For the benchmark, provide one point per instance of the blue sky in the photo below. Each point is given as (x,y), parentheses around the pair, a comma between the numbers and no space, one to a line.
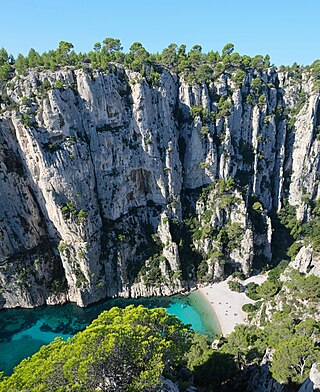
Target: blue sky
(288,30)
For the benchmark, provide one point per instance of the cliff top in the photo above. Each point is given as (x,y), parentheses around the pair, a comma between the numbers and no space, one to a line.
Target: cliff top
(195,65)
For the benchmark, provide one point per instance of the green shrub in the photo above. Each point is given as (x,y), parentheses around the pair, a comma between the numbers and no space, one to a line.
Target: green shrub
(82,215)
(204,131)
(238,78)
(257,206)
(294,249)
(250,308)
(275,273)
(59,84)
(196,111)
(235,285)
(252,291)
(268,289)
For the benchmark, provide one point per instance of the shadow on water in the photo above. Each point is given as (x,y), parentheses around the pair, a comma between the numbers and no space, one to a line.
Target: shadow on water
(24,331)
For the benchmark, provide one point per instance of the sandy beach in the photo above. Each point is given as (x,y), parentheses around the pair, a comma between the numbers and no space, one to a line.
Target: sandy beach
(228,304)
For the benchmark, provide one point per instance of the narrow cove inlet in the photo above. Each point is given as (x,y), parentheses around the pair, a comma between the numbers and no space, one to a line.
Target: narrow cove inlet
(24,331)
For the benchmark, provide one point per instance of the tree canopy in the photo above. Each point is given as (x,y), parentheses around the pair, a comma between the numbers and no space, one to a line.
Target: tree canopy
(122,350)
(195,65)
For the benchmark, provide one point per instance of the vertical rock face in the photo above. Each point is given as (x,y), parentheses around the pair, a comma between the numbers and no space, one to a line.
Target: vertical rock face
(110,186)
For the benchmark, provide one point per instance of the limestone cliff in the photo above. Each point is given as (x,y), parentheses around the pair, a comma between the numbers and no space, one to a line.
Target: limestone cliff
(111,186)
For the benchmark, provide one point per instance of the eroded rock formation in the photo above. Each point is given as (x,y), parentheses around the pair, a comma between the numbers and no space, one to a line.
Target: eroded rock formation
(110,186)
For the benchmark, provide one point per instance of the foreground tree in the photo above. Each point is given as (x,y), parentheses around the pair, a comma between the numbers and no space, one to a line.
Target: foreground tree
(210,368)
(122,350)
(293,359)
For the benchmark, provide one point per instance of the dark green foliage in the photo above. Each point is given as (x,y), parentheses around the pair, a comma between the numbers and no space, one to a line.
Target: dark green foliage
(300,102)
(224,107)
(82,215)
(231,235)
(293,359)
(235,285)
(251,291)
(246,344)
(196,111)
(34,59)
(202,270)
(294,345)
(258,62)
(63,52)
(210,368)
(275,273)
(315,68)
(152,275)
(226,185)
(97,47)
(69,210)
(269,288)
(256,85)
(6,62)
(26,120)
(293,332)
(195,55)
(248,308)
(4,56)
(311,233)
(262,101)
(294,249)
(204,74)
(169,56)
(257,207)
(288,219)
(305,287)
(238,78)
(302,232)
(111,46)
(227,50)
(219,69)
(154,77)
(138,57)
(5,72)
(247,152)
(182,235)
(195,66)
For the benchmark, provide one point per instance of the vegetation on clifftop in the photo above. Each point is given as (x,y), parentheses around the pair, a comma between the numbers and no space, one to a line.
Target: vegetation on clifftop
(195,65)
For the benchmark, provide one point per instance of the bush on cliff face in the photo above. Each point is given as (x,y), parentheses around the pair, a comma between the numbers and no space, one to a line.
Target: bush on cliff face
(122,350)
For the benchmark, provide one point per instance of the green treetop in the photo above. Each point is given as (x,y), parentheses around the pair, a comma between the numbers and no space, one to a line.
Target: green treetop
(122,350)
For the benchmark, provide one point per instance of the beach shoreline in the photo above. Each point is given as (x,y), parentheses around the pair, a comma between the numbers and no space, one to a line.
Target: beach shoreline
(227,304)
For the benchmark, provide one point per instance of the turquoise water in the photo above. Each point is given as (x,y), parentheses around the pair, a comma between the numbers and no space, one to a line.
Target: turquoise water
(24,331)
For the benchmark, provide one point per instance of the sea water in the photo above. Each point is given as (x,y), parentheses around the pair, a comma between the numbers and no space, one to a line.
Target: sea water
(24,331)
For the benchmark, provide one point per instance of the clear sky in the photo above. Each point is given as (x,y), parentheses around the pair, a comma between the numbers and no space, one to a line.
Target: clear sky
(288,30)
